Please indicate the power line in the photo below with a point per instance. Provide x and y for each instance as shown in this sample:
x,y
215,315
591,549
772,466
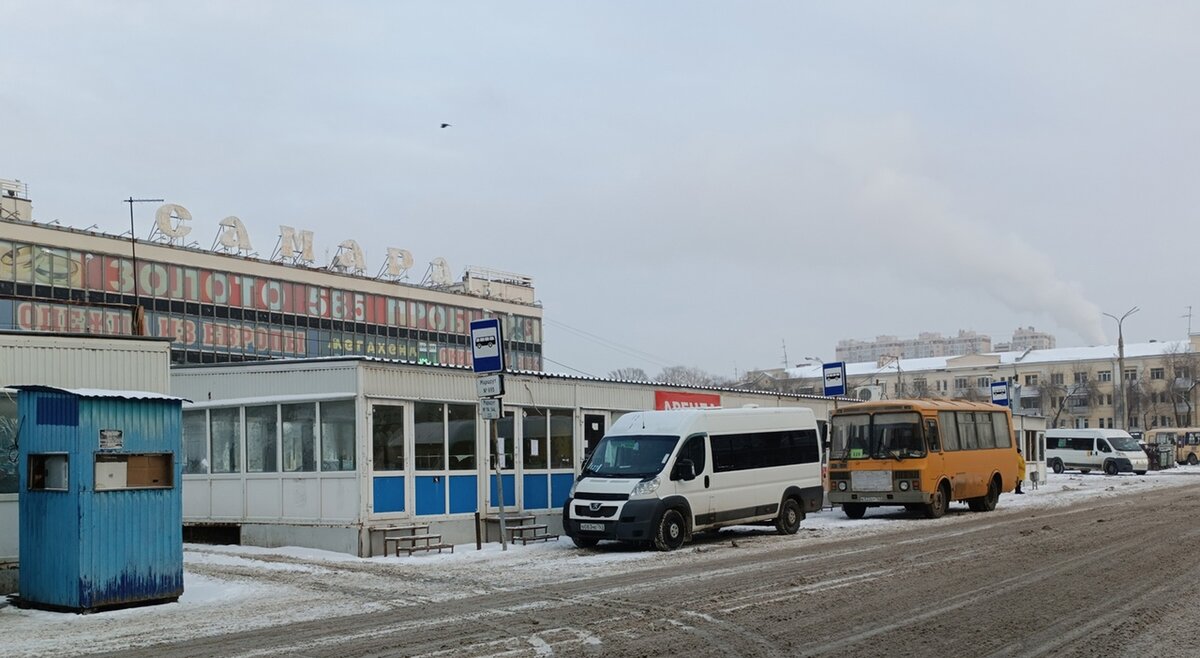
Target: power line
x,y
617,347
545,358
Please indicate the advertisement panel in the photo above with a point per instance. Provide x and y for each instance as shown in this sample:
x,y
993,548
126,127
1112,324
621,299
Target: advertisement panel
x,y
682,400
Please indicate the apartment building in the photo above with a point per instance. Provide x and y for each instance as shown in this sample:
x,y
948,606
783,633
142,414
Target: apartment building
x,y
1071,387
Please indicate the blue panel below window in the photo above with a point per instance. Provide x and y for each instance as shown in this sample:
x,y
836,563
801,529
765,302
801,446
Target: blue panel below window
x,y
510,490
536,495
560,485
431,494
388,494
463,493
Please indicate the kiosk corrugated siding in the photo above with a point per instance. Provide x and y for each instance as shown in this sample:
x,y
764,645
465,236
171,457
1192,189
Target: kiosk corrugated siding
x,y
84,549
133,540
49,536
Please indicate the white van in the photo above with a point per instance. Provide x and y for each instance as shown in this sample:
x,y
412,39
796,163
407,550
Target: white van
x,y
658,476
1114,451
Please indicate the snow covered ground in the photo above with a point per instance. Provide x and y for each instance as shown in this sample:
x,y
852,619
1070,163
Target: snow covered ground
x,y
231,588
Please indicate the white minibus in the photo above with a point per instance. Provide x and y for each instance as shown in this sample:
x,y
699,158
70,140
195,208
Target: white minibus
x,y
658,476
1113,451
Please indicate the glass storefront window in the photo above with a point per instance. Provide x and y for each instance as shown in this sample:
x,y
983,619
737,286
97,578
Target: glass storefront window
x,y
506,436
8,442
195,442
225,432
337,436
534,435
562,442
261,439
429,436
8,260
299,437
462,436
387,437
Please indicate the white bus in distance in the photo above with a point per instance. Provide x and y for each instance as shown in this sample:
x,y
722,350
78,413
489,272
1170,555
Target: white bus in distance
x,y
658,476
1114,451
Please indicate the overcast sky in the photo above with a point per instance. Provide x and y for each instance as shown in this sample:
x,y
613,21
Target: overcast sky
x,y
692,183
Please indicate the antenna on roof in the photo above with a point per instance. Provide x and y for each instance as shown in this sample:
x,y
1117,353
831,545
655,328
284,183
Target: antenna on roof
x,y
1189,319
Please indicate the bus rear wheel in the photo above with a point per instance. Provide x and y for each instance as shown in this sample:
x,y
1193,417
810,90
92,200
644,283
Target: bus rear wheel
x,y
672,530
790,516
936,508
1057,466
1193,459
987,502
854,510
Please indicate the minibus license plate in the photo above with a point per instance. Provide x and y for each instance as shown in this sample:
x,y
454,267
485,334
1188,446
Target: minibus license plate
x,y
594,527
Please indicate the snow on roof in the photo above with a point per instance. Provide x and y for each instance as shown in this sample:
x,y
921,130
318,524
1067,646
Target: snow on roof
x,y
100,393
1055,355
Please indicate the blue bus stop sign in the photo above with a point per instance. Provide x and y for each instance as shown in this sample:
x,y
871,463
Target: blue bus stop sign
x,y
1000,393
487,346
835,378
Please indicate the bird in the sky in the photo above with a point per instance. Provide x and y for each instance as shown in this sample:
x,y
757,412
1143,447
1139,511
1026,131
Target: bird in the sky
x,y
445,125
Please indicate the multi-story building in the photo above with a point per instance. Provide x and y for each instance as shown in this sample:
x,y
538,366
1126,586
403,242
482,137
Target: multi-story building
x,y
1071,387
1027,338
928,343
228,304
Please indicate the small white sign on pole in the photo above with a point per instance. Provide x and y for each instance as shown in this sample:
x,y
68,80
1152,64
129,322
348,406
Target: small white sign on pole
x,y
490,386
489,408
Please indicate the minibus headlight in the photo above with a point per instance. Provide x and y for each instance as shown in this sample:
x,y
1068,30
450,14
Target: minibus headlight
x,y
842,485
571,493
646,487
903,485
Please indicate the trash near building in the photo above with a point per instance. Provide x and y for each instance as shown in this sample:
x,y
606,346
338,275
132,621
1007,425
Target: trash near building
x,y
339,453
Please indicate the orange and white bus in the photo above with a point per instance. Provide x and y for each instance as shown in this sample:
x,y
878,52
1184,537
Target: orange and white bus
x,y
1185,439
921,454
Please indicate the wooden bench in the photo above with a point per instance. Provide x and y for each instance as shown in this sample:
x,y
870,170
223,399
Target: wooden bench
x,y
415,537
510,520
521,533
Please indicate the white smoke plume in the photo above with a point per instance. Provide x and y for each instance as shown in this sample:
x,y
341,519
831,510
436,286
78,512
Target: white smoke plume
x,y
911,218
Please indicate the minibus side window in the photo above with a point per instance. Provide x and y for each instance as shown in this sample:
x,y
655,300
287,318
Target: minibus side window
x,y
1102,446
693,449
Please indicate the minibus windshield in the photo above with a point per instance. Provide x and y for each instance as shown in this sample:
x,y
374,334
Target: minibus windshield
x,y
1124,444
878,436
635,456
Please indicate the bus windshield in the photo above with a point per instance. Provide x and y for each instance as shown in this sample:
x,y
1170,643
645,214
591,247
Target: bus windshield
x,y
877,436
630,456
1124,444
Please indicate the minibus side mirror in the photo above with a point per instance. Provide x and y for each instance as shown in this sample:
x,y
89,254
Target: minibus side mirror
x,y
685,470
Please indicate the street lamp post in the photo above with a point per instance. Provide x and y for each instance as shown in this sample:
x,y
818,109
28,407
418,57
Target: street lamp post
x,y
1123,420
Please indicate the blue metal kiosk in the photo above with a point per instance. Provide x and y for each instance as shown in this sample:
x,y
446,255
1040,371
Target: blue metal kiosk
x,y
101,508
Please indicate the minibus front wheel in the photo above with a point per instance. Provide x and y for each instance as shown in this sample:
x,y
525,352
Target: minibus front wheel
x,y
790,516
672,531
585,542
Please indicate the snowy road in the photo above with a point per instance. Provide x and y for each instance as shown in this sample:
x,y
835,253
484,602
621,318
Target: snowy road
x,y
1086,565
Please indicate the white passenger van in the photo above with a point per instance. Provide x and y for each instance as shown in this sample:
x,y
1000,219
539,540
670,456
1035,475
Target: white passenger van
x,y
658,476
1114,451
